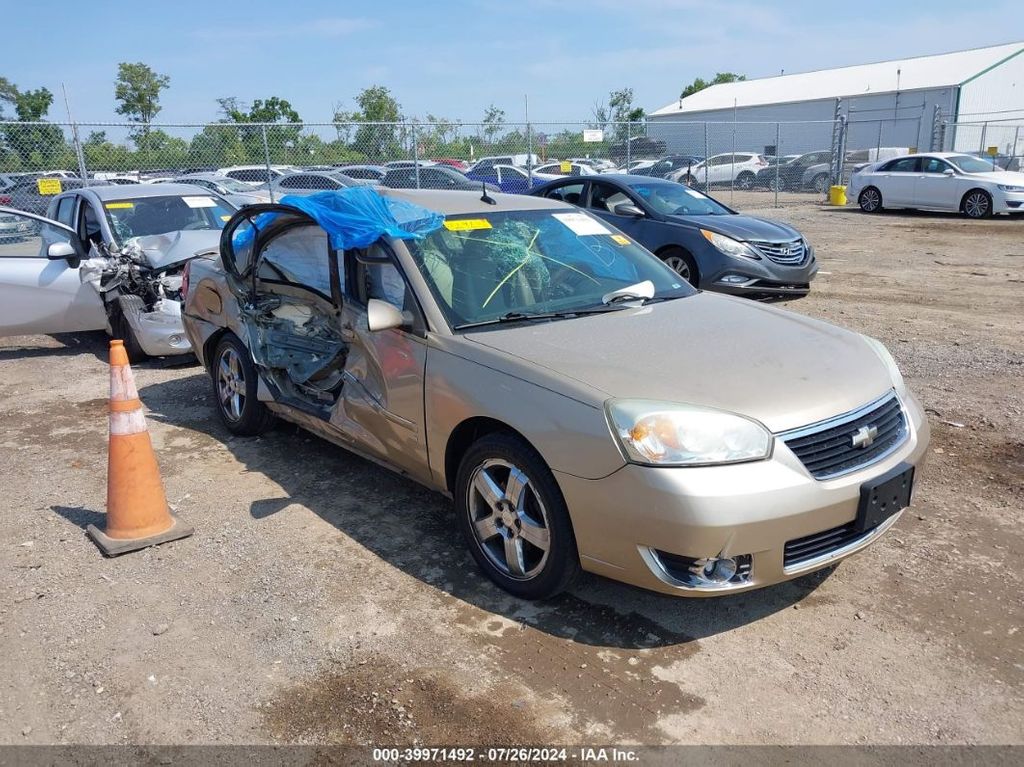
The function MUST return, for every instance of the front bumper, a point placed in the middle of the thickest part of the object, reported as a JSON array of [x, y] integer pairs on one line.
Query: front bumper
[[159, 332], [750, 278], [1008, 202], [748, 510]]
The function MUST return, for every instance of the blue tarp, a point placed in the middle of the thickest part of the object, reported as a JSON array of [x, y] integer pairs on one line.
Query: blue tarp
[[356, 217]]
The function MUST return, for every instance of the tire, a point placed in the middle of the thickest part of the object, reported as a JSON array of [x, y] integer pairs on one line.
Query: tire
[[870, 200], [820, 183], [745, 181], [776, 184], [682, 263], [123, 331], [234, 389], [977, 203], [493, 525]]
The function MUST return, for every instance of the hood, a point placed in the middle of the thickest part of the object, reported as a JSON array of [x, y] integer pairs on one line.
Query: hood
[[741, 227], [784, 369], [160, 251], [1008, 177]]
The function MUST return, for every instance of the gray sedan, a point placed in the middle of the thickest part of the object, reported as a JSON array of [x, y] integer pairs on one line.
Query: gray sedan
[[236, 192], [311, 182], [583, 405]]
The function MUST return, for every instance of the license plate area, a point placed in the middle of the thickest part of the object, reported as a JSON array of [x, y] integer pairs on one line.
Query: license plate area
[[883, 496]]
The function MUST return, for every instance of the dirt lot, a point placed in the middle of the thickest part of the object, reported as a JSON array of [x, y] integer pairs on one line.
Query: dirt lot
[[324, 600]]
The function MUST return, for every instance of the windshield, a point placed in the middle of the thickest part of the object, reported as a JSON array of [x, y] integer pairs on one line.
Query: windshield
[[678, 200], [232, 186], [969, 164], [146, 216], [481, 268]]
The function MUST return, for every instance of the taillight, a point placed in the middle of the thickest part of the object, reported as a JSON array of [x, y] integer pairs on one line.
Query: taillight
[[5, 199], [184, 281]]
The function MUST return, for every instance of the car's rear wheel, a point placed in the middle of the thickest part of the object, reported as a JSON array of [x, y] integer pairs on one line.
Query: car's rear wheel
[[776, 184], [820, 183], [870, 200], [745, 180], [682, 263], [977, 203], [514, 518], [234, 388]]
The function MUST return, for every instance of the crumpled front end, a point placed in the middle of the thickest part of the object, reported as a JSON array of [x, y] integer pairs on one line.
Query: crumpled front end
[[158, 329]]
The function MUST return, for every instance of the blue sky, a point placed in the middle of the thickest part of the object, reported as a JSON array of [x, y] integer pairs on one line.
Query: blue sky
[[452, 59]]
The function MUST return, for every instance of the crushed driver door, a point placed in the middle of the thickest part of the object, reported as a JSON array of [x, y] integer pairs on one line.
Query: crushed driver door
[[381, 403]]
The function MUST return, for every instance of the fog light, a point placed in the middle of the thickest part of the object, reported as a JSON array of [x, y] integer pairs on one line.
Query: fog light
[[733, 279], [720, 570], [176, 340]]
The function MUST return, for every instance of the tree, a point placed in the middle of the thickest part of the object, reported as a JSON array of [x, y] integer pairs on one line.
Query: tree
[[137, 91], [35, 146], [377, 142], [699, 84], [622, 112], [493, 122], [274, 115]]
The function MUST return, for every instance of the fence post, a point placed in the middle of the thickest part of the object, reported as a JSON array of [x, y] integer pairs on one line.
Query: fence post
[[416, 153], [1016, 142], [984, 133], [266, 160], [529, 153], [707, 156], [78, 144], [778, 158], [629, 142]]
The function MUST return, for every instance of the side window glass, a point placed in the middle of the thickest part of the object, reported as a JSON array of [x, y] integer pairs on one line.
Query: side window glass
[[604, 197], [300, 256], [66, 210], [29, 238], [570, 193], [291, 182]]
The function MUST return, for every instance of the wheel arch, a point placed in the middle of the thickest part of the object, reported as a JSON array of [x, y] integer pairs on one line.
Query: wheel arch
[[965, 195], [465, 434], [667, 248]]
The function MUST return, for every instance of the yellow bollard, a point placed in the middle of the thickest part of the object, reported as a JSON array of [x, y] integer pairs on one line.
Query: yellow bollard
[[837, 195]]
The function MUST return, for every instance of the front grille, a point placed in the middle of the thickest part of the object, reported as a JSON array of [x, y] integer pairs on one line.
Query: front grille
[[790, 253], [810, 546], [832, 447]]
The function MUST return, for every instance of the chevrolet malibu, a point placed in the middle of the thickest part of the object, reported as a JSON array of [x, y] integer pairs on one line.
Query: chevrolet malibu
[[583, 405]]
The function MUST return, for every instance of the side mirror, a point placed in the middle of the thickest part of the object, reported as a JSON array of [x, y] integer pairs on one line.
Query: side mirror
[[628, 209], [949, 172], [60, 251], [380, 315]]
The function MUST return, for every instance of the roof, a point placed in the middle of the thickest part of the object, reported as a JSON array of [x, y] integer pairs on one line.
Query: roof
[[136, 191], [456, 203], [936, 71]]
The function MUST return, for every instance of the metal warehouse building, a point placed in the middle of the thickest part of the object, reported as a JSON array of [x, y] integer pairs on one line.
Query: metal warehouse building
[[967, 101]]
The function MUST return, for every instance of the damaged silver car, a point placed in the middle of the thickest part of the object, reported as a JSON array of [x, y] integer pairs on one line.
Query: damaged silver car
[[109, 257]]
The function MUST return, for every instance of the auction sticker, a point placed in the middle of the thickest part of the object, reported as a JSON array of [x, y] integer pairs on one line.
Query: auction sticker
[[466, 224], [200, 202], [119, 205], [581, 224], [621, 239]]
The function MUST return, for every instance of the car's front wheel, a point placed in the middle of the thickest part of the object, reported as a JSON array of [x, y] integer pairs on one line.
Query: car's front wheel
[[870, 200], [776, 184], [514, 518], [820, 183], [682, 263], [234, 388], [977, 203], [122, 330]]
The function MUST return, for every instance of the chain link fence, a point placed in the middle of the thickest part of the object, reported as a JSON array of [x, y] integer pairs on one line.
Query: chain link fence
[[743, 163]]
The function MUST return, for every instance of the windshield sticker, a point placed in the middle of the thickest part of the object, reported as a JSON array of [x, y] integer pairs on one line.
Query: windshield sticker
[[693, 193], [119, 205], [466, 224], [225, 218], [621, 239], [581, 224], [200, 202]]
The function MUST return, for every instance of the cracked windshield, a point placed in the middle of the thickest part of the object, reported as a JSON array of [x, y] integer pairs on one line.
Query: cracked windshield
[[511, 266]]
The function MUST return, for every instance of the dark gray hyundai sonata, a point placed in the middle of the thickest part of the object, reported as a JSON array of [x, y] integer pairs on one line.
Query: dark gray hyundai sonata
[[710, 245]]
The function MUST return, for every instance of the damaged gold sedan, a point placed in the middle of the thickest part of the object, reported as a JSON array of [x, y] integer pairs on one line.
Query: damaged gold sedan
[[584, 406]]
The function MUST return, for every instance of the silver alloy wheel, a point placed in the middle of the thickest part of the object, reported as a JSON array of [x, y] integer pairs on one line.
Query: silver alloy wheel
[[231, 384], [776, 184], [678, 265], [509, 520], [745, 181], [976, 205], [821, 184], [870, 199]]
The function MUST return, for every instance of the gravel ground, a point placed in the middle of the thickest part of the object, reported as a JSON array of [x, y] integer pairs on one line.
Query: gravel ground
[[322, 599]]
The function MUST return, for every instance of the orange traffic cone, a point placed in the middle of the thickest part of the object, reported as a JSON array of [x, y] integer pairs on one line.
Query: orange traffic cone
[[137, 512]]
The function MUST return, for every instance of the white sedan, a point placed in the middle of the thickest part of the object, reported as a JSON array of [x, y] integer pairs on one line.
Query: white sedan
[[938, 181]]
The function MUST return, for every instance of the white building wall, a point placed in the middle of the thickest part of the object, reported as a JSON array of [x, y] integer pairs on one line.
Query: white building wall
[[991, 110]]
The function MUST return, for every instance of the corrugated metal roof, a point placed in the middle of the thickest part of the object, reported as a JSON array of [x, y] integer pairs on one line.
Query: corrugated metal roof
[[941, 70]]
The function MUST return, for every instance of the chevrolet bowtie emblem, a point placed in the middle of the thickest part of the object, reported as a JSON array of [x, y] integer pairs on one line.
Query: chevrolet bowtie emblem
[[864, 436]]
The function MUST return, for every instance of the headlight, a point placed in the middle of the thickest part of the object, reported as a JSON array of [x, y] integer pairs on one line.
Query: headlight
[[890, 363], [728, 245], [1010, 188], [673, 434]]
